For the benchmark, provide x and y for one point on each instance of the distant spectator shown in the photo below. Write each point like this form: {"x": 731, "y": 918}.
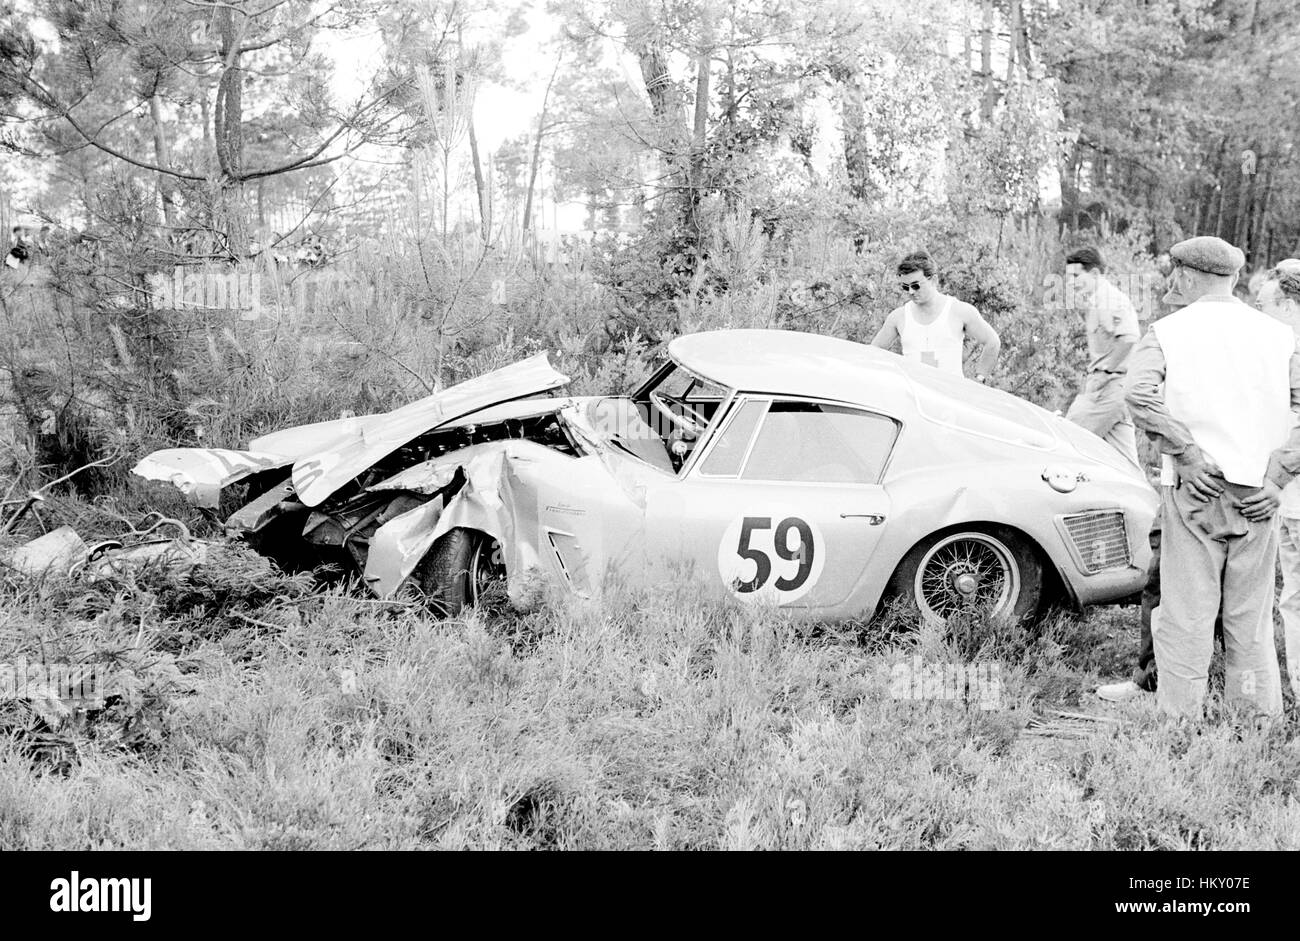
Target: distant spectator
{"x": 1268, "y": 289}
{"x": 311, "y": 253}
{"x": 20, "y": 251}
{"x": 1280, "y": 299}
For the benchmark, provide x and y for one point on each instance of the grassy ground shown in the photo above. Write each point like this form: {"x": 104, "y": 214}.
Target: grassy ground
{"x": 249, "y": 711}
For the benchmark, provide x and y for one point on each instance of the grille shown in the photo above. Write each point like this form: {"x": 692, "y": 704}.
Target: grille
{"x": 1100, "y": 540}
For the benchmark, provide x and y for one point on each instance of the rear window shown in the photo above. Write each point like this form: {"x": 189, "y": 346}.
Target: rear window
{"x": 817, "y": 443}
{"x": 951, "y": 401}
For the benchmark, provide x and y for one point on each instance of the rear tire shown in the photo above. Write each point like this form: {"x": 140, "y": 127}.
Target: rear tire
{"x": 459, "y": 570}
{"x": 966, "y": 568}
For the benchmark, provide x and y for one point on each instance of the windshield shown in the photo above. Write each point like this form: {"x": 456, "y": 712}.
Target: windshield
{"x": 677, "y": 409}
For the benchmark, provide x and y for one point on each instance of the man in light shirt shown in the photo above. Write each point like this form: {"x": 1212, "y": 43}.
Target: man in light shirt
{"x": 932, "y": 327}
{"x": 1216, "y": 384}
{"x": 1111, "y": 326}
{"x": 1280, "y": 298}
{"x": 1111, "y": 330}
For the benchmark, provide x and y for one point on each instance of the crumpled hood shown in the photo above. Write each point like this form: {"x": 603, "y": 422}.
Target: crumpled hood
{"x": 326, "y": 455}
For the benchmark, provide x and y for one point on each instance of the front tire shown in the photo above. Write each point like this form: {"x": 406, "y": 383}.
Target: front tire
{"x": 463, "y": 566}
{"x": 996, "y": 570}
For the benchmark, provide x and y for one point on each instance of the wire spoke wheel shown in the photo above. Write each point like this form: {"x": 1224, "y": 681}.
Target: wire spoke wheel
{"x": 964, "y": 571}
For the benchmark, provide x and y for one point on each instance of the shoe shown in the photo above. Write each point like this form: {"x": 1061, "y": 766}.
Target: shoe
{"x": 1120, "y": 692}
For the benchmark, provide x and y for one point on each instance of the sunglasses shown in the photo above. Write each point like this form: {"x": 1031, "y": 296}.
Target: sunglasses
{"x": 907, "y": 287}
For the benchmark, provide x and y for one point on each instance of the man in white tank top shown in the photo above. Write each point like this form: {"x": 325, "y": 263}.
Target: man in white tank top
{"x": 932, "y": 328}
{"x": 1215, "y": 384}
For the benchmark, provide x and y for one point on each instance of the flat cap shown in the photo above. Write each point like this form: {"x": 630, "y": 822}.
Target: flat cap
{"x": 1209, "y": 254}
{"x": 1288, "y": 266}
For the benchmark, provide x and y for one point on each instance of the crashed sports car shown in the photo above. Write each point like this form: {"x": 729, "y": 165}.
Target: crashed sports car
{"x": 781, "y": 467}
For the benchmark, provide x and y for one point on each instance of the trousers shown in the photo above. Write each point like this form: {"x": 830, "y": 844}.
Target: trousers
{"x": 1144, "y": 674}
{"x": 1289, "y": 602}
{"x": 1215, "y": 561}
{"x": 1100, "y": 408}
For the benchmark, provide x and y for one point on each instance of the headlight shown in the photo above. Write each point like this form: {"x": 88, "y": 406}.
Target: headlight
{"x": 1063, "y": 479}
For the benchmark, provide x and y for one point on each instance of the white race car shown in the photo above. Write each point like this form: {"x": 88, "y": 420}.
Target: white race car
{"x": 783, "y": 468}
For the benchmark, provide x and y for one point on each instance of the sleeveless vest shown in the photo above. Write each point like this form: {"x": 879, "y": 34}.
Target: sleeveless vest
{"x": 937, "y": 344}
{"x": 1228, "y": 379}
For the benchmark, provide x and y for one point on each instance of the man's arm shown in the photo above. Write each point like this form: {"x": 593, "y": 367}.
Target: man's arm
{"x": 1114, "y": 360}
{"x": 978, "y": 329}
{"x": 1121, "y": 322}
{"x": 1144, "y": 393}
{"x": 1283, "y": 464}
{"x": 887, "y": 335}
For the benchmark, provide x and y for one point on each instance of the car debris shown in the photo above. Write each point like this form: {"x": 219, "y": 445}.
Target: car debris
{"x": 64, "y": 552}
{"x": 56, "y": 551}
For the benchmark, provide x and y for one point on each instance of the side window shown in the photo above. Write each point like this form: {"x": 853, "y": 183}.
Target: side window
{"x": 811, "y": 442}
{"x": 733, "y": 441}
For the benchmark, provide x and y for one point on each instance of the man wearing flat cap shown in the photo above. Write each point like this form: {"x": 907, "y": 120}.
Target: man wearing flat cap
{"x": 1215, "y": 384}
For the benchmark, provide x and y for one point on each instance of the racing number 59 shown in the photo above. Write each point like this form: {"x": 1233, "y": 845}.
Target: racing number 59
{"x": 802, "y": 551}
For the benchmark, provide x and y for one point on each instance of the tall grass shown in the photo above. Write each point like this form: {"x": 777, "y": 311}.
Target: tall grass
{"x": 655, "y": 720}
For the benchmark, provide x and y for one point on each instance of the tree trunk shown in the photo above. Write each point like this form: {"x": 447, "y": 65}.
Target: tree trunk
{"x": 699, "y": 132}
{"x": 480, "y": 188}
{"x": 1258, "y": 256}
{"x": 1070, "y": 197}
{"x": 1245, "y": 194}
{"x": 1223, "y": 190}
{"x": 990, "y": 98}
{"x": 1011, "y": 41}
{"x": 967, "y": 46}
{"x": 857, "y": 159}
{"x": 162, "y": 156}
{"x": 537, "y": 149}
{"x": 1024, "y": 46}
{"x": 228, "y": 120}
{"x": 669, "y": 112}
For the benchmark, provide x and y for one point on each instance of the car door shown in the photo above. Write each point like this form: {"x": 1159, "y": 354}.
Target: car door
{"x": 784, "y": 505}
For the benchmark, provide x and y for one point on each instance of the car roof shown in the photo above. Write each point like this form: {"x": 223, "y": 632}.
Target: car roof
{"x": 808, "y": 365}
{"x": 789, "y": 362}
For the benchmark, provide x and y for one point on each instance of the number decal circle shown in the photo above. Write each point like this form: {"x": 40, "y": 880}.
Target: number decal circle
{"x": 771, "y": 555}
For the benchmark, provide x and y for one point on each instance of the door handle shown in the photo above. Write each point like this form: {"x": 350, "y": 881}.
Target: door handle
{"x": 875, "y": 519}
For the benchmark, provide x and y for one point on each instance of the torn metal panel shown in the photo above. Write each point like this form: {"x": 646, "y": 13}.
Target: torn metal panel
{"x": 427, "y": 477}
{"x": 302, "y": 441}
{"x": 201, "y": 473}
{"x": 398, "y": 546}
{"x": 318, "y": 476}
{"x": 258, "y": 513}
{"x": 552, "y": 514}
